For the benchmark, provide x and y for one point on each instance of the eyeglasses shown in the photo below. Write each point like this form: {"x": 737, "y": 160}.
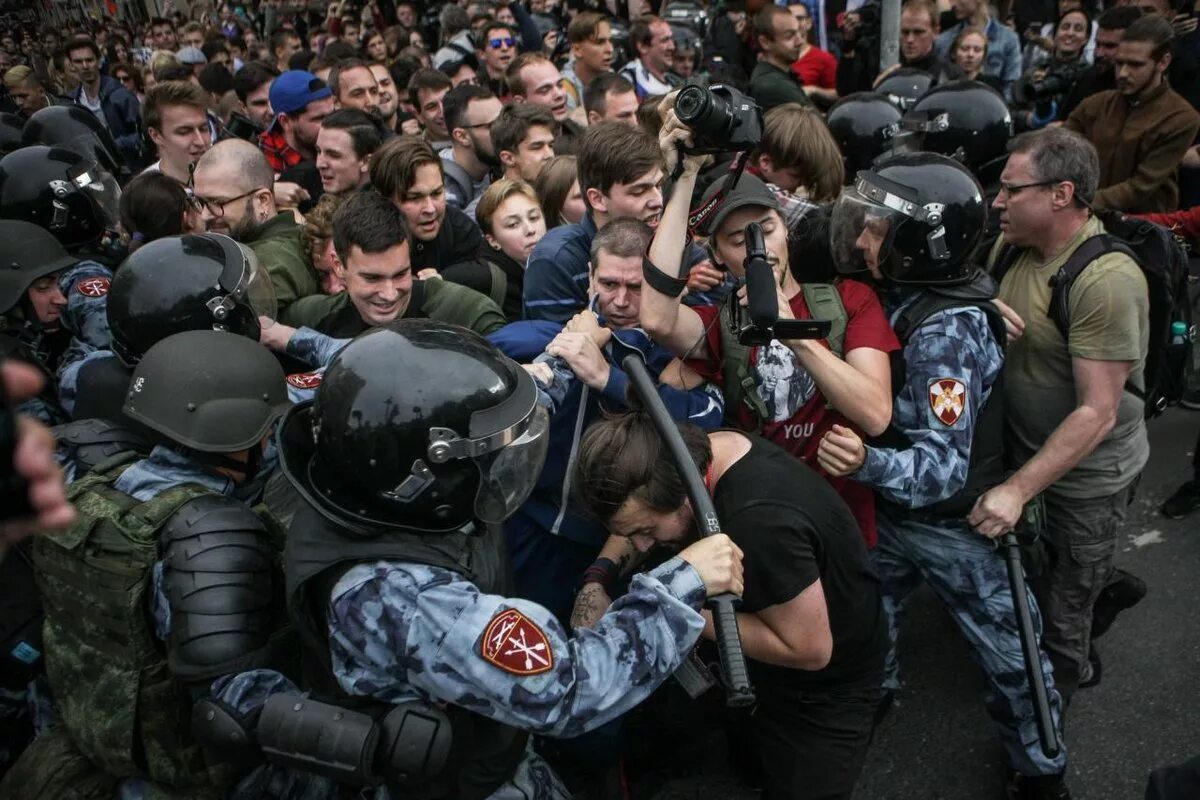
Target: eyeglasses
{"x": 507, "y": 41}
{"x": 216, "y": 208}
{"x": 479, "y": 125}
{"x": 1013, "y": 190}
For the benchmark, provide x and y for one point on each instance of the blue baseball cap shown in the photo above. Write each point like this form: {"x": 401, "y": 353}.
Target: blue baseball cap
{"x": 295, "y": 89}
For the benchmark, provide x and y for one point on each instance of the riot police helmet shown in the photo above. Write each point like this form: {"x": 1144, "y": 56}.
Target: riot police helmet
{"x": 75, "y": 199}
{"x": 209, "y": 391}
{"x": 863, "y": 124}
{"x": 924, "y": 212}
{"x": 182, "y": 283}
{"x": 417, "y": 426}
{"x": 76, "y": 129}
{"x": 27, "y": 253}
{"x": 905, "y": 86}
{"x": 967, "y": 120}
{"x": 11, "y": 128}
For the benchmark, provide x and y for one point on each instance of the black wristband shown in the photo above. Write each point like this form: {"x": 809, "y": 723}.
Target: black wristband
{"x": 602, "y": 571}
{"x": 660, "y": 281}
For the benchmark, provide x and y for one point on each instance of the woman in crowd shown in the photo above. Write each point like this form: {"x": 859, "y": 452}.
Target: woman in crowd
{"x": 968, "y": 54}
{"x": 375, "y": 48}
{"x": 558, "y": 187}
{"x": 1032, "y": 109}
{"x": 512, "y": 223}
{"x": 154, "y": 206}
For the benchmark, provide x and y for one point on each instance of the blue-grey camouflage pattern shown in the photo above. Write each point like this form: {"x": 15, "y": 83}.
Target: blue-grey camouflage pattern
{"x": 85, "y": 315}
{"x": 78, "y": 355}
{"x": 401, "y": 632}
{"x": 953, "y": 344}
{"x": 968, "y": 575}
{"x": 317, "y": 350}
{"x": 963, "y": 568}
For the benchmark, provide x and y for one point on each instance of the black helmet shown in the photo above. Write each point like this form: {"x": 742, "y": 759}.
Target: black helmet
{"x": 420, "y": 426}
{"x": 186, "y": 283}
{"x": 863, "y": 125}
{"x": 904, "y": 86}
{"x": 210, "y": 391}
{"x": 968, "y": 120}
{"x": 11, "y": 127}
{"x": 925, "y": 211}
{"x": 27, "y": 253}
{"x": 61, "y": 191}
{"x": 76, "y": 129}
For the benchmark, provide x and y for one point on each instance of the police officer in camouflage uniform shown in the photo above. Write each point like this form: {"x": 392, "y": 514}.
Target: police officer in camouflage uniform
{"x": 913, "y": 221}
{"x": 422, "y": 439}
{"x": 162, "y": 591}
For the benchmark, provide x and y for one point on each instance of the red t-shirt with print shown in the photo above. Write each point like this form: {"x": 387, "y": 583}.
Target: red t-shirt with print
{"x": 799, "y": 416}
{"x": 816, "y": 68}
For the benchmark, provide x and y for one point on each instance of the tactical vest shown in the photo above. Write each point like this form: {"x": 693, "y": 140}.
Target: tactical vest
{"x": 485, "y": 753}
{"x": 986, "y": 467}
{"x": 738, "y": 385}
{"x": 115, "y": 694}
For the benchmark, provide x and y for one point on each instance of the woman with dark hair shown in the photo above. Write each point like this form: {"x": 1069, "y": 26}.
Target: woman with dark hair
{"x": 130, "y": 77}
{"x": 154, "y": 206}
{"x": 557, "y": 188}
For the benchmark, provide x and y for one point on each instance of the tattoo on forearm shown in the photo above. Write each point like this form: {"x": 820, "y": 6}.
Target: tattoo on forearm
{"x": 590, "y": 605}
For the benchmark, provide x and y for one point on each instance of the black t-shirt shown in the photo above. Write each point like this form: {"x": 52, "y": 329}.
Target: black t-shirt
{"x": 793, "y": 528}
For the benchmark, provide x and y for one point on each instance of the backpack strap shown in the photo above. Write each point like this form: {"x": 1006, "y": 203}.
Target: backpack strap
{"x": 499, "y": 284}
{"x": 459, "y": 177}
{"x": 738, "y": 384}
{"x": 1060, "y": 301}
{"x": 1004, "y": 261}
{"x": 824, "y": 302}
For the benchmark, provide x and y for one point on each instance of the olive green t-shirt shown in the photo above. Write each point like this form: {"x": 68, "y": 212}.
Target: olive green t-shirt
{"x": 1109, "y": 312}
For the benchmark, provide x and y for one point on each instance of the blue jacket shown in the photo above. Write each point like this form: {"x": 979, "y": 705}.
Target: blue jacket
{"x": 525, "y": 341}
{"x": 123, "y": 116}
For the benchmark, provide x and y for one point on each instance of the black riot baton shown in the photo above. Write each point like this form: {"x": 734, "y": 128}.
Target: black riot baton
{"x": 739, "y": 692}
{"x": 1029, "y": 645}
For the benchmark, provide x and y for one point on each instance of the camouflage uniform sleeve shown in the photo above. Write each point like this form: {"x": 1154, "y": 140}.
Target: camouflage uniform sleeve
{"x": 399, "y": 628}
{"x": 951, "y": 362}
{"x": 313, "y": 348}
{"x": 85, "y": 286}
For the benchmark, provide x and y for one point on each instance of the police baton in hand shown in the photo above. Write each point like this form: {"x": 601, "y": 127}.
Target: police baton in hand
{"x": 739, "y": 692}
{"x": 1029, "y": 645}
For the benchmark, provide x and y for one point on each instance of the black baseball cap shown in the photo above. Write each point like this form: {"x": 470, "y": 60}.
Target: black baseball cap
{"x": 750, "y": 191}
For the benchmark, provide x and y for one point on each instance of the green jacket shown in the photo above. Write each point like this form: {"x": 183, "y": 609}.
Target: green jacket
{"x": 441, "y": 300}
{"x": 277, "y": 245}
{"x": 771, "y": 86}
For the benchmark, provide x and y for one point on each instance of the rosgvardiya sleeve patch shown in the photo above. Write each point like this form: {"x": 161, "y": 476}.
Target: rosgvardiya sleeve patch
{"x": 947, "y": 399}
{"x": 514, "y": 643}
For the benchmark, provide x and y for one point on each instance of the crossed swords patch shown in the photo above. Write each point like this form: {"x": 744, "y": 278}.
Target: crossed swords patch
{"x": 947, "y": 398}
{"x": 515, "y": 644}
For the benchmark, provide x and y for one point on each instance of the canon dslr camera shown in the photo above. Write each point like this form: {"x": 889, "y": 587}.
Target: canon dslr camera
{"x": 722, "y": 119}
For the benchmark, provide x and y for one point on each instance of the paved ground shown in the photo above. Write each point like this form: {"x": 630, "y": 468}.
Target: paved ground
{"x": 938, "y": 743}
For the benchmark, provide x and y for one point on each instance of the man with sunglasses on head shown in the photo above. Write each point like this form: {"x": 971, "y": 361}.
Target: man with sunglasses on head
{"x": 233, "y": 189}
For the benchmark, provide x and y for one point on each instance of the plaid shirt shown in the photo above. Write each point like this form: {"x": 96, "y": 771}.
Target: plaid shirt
{"x": 280, "y": 155}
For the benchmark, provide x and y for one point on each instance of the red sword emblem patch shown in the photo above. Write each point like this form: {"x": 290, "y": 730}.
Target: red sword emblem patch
{"x": 93, "y": 287}
{"x": 515, "y": 644}
{"x": 305, "y": 380}
{"x": 947, "y": 398}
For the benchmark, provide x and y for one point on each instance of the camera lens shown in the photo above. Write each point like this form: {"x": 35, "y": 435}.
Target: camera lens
{"x": 691, "y": 105}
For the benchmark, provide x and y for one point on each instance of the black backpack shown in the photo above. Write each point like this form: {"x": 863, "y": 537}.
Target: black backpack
{"x": 1163, "y": 262}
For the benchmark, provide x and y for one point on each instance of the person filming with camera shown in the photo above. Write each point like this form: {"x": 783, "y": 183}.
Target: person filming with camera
{"x": 790, "y": 391}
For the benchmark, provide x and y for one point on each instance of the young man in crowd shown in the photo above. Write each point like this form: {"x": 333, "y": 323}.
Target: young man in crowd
{"x": 112, "y": 104}
{"x": 426, "y": 89}
{"x": 523, "y": 136}
{"x": 650, "y": 73}
{"x": 284, "y": 44}
{"x": 389, "y": 101}
{"x": 773, "y": 83}
{"x": 252, "y": 84}
{"x": 176, "y": 115}
{"x": 354, "y": 86}
{"x": 533, "y": 79}
{"x": 590, "y": 37}
{"x": 347, "y": 139}
{"x": 300, "y": 101}
{"x": 496, "y": 50}
{"x": 610, "y": 98}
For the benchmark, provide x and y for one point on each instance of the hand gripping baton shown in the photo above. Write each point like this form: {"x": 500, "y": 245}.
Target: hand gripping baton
{"x": 739, "y": 692}
{"x": 1029, "y": 645}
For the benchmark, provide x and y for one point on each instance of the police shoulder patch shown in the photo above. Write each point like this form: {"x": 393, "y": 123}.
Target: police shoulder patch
{"x": 93, "y": 287}
{"x": 947, "y": 399}
{"x": 305, "y": 380}
{"x": 514, "y": 643}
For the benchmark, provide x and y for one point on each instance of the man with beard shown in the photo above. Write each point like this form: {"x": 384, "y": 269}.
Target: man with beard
{"x": 773, "y": 83}
{"x": 177, "y": 123}
{"x": 234, "y": 188}
{"x": 469, "y": 112}
{"x": 300, "y": 101}
{"x": 1141, "y": 129}
{"x": 1101, "y": 76}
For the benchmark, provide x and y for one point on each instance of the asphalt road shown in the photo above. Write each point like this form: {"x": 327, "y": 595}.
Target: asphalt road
{"x": 939, "y": 744}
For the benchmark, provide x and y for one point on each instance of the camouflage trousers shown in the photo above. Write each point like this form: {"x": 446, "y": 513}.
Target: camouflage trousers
{"x": 967, "y": 574}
